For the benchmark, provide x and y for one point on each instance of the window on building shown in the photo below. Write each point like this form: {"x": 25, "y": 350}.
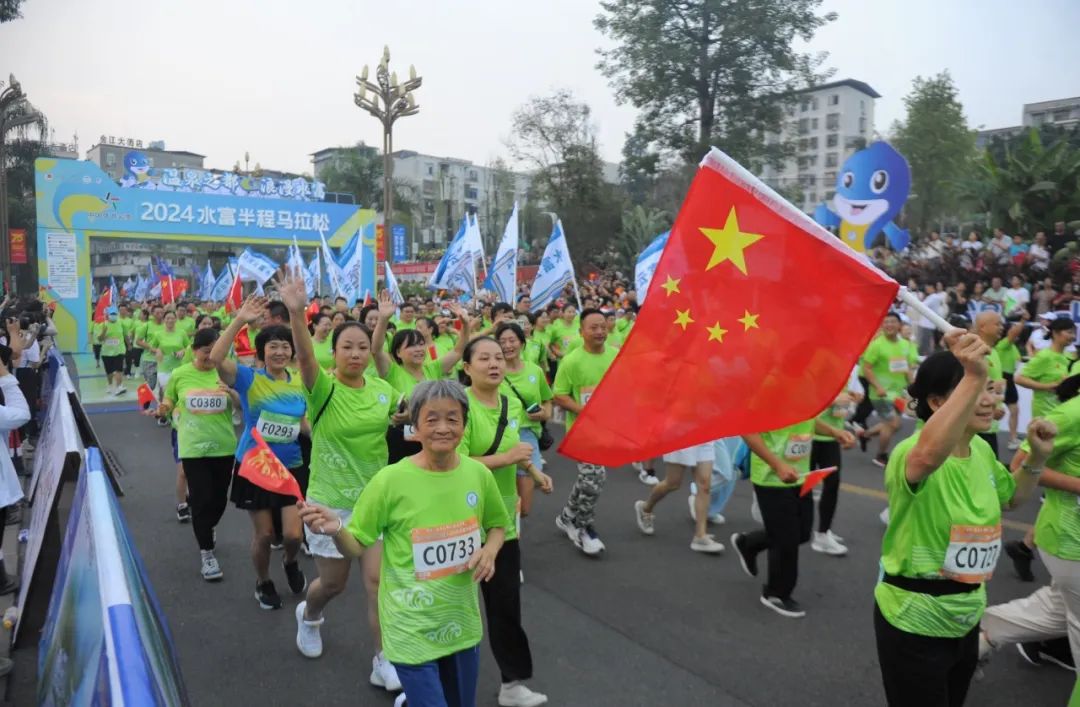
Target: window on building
{"x": 830, "y": 159}
{"x": 814, "y": 103}
{"x": 803, "y": 162}
{"x": 829, "y": 195}
{"x": 814, "y": 124}
{"x": 832, "y": 121}
{"x": 472, "y": 175}
{"x": 811, "y": 197}
{"x": 831, "y": 140}
{"x": 813, "y": 143}
{"x": 802, "y": 144}
{"x": 834, "y": 99}
{"x": 110, "y": 159}
{"x": 430, "y": 169}
{"x": 805, "y": 106}
{"x": 862, "y": 107}
{"x": 1060, "y": 115}
{"x": 830, "y": 177}
{"x": 803, "y": 123}
{"x": 471, "y": 193}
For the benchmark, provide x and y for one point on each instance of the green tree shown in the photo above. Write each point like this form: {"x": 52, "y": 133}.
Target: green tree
{"x": 358, "y": 172}
{"x": 935, "y": 139}
{"x": 9, "y": 10}
{"x": 499, "y": 204}
{"x": 708, "y": 72}
{"x": 639, "y": 227}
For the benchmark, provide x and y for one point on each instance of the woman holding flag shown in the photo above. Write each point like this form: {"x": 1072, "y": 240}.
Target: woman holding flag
{"x": 273, "y": 402}
{"x": 348, "y": 445}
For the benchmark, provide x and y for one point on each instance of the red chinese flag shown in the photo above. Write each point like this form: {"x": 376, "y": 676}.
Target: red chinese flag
{"x": 145, "y": 395}
{"x": 103, "y": 303}
{"x": 235, "y": 297}
{"x": 755, "y": 318}
{"x": 261, "y": 467}
{"x": 312, "y": 310}
{"x": 172, "y": 289}
{"x": 814, "y": 478}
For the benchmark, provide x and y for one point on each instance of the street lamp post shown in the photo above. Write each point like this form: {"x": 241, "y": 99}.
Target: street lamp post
{"x": 388, "y": 101}
{"x": 15, "y": 113}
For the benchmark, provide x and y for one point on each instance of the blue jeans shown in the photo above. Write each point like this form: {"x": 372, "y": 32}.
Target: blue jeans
{"x": 449, "y": 681}
{"x": 530, "y": 438}
{"x": 723, "y": 475}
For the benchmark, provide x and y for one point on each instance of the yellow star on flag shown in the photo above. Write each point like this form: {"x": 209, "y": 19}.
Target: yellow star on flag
{"x": 716, "y": 333}
{"x": 682, "y": 318}
{"x": 672, "y": 285}
{"x": 730, "y": 243}
{"x": 749, "y": 321}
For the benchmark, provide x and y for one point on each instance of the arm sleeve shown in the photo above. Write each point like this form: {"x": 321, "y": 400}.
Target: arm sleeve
{"x": 494, "y": 510}
{"x": 245, "y": 376}
{"x": 170, "y": 389}
{"x": 545, "y": 389}
{"x": 563, "y": 384}
{"x": 1004, "y": 482}
{"x": 14, "y": 413}
{"x": 369, "y": 517}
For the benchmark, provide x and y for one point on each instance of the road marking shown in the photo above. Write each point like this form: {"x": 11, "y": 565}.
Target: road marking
{"x": 882, "y": 496}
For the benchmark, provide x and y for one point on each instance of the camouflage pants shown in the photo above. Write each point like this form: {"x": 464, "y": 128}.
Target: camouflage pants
{"x": 149, "y": 370}
{"x": 581, "y": 506}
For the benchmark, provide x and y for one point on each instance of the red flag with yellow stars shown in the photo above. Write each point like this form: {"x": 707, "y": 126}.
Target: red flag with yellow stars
{"x": 261, "y": 467}
{"x": 754, "y": 319}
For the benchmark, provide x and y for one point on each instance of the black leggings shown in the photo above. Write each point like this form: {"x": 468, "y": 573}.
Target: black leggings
{"x": 865, "y": 407}
{"x": 924, "y": 671}
{"x": 823, "y": 454}
{"x": 502, "y": 605}
{"x": 133, "y": 360}
{"x": 789, "y": 519}
{"x": 208, "y": 494}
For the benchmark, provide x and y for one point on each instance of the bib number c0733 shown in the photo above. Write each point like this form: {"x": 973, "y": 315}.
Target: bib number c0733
{"x": 973, "y": 553}
{"x": 278, "y": 429}
{"x": 444, "y": 550}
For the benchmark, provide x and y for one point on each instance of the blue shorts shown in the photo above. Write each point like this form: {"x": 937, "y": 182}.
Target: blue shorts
{"x": 449, "y": 681}
{"x": 531, "y": 439}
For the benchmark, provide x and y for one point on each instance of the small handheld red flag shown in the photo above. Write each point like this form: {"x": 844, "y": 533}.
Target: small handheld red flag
{"x": 146, "y": 396}
{"x": 312, "y": 310}
{"x": 814, "y": 478}
{"x": 261, "y": 467}
{"x": 754, "y": 319}
{"x": 235, "y": 297}
{"x": 104, "y": 302}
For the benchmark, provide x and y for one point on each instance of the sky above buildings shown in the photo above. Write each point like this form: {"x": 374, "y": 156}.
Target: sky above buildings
{"x": 276, "y": 78}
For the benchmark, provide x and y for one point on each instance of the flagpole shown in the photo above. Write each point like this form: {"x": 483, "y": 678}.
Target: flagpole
{"x": 908, "y": 297}
{"x": 318, "y": 280}
{"x": 573, "y": 271}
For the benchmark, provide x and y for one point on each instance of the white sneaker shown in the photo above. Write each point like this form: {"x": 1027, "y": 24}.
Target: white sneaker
{"x": 571, "y": 531}
{"x": 308, "y": 637}
{"x": 834, "y": 536}
{"x": 707, "y": 544}
{"x": 211, "y": 570}
{"x": 644, "y": 520}
{"x": 637, "y": 466}
{"x": 383, "y": 673}
{"x": 1014, "y": 445}
{"x": 589, "y": 541}
{"x": 717, "y": 519}
{"x": 693, "y": 511}
{"x": 825, "y": 544}
{"x": 647, "y": 478}
{"x": 401, "y": 701}
{"x": 755, "y": 512}
{"x": 121, "y": 390}
{"x": 885, "y": 517}
{"x": 515, "y": 694}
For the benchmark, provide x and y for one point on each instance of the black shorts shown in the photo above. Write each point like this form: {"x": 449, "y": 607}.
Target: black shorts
{"x": 248, "y": 497}
{"x": 1011, "y": 394}
{"x": 113, "y": 364}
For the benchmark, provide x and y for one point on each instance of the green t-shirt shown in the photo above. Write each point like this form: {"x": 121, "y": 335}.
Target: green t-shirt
{"x": 890, "y": 361}
{"x": 835, "y": 415}
{"x": 170, "y": 342}
{"x": 324, "y": 354}
{"x": 348, "y": 443}
{"x": 962, "y": 495}
{"x": 139, "y": 332}
{"x": 792, "y": 444}
{"x": 579, "y": 374}
{"x": 531, "y": 385}
{"x": 402, "y": 326}
{"x": 535, "y": 351}
{"x": 444, "y": 344}
{"x": 480, "y": 431}
{"x": 403, "y": 381}
{"x": 186, "y": 325}
{"x": 129, "y": 326}
{"x": 1047, "y": 366}
{"x": 1057, "y": 529}
{"x": 1009, "y": 355}
{"x": 431, "y": 522}
{"x": 113, "y": 345}
{"x": 152, "y": 328}
{"x": 202, "y": 414}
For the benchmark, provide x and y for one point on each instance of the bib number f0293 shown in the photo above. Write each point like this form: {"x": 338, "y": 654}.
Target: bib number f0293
{"x": 973, "y": 553}
{"x": 444, "y": 550}
{"x": 278, "y": 429}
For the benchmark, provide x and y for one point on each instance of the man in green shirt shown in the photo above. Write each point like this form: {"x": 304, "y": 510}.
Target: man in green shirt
{"x": 889, "y": 366}
{"x": 110, "y": 336}
{"x": 1048, "y": 367}
{"x": 128, "y": 322}
{"x": 578, "y": 375}
{"x": 184, "y": 322}
{"x": 1009, "y": 355}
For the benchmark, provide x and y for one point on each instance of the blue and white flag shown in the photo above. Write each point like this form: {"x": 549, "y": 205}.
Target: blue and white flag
{"x": 295, "y": 265}
{"x": 440, "y": 279}
{"x": 474, "y": 243}
{"x": 392, "y": 286}
{"x": 142, "y": 287}
{"x": 206, "y": 283}
{"x": 350, "y": 266}
{"x": 333, "y": 272}
{"x": 502, "y": 276}
{"x": 128, "y": 287}
{"x": 220, "y": 289}
{"x": 313, "y": 276}
{"x": 555, "y": 271}
{"x": 646, "y": 265}
{"x": 256, "y": 267}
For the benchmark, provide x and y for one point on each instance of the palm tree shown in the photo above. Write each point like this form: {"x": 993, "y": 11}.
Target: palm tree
{"x": 639, "y": 227}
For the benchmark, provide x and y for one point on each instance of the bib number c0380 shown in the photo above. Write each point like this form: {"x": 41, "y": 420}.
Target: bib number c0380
{"x": 206, "y": 402}
{"x": 278, "y": 429}
{"x": 973, "y": 553}
{"x": 444, "y": 550}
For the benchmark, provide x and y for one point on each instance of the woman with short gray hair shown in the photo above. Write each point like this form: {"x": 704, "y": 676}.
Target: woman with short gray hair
{"x": 441, "y": 518}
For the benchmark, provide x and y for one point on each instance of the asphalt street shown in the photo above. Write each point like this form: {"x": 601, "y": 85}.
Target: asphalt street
{"x": 649, "y": 623}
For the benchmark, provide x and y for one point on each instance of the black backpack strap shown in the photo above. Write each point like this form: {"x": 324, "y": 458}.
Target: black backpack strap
{"x": 501, "y": 428}
{"x": 523, "y": 403}
{"x": 315, "y": 421}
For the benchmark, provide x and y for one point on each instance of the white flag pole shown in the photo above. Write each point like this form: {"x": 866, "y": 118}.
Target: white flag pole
{"x": 909, "y": 298}
{"x": 573, "y": 270}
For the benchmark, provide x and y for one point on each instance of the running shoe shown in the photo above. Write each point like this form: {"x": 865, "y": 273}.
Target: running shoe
{"x": 714, "y": 518}
{"x": 1013, "y": 445}
{"x": 644, "y": 520}
{"x": 648, "y": 477}
{"x": 295, "y": 576}
{"x": 881, "y": 460}
{"x": 707, "y": 544}
{"x": 308, "y": 636}
{"x": 516, "y": 694}
{"x": 571, "y": 531}
{"x": 590, "y": 541}
{"x": 1055, "y": 651}
{"x": 785, "y": 607}
{"x": 748, "y": 561}
{"x": 278, "y": 543}
{"x": 183, "y": 512}
{"x": 637, "y": 466}
{"x": 162, "y": 422}
{"x": 120, "y": 391}
{"x": 383, "y": 673}
{"x": 401, "y": 701}
{"x": 834, "y": 536}
{"x": 211, "y": 570}
{"x": 267, "y": 595}
{"x": 827, "y": 545}
{"x": 1022, "y": 557}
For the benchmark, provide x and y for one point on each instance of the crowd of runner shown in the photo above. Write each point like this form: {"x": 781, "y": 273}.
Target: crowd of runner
{"x": 418, "y": 434}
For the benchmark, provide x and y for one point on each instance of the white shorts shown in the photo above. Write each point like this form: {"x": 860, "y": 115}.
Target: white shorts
{"x": 323, "y": 545}
{"x": 692, "y": 456}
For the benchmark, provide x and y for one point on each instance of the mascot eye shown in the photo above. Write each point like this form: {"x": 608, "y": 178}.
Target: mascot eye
{"x": 847, "y": 180}
{"x": 878, "y": 181}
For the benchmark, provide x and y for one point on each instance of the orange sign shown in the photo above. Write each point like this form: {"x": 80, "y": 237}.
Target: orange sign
{"x": 380, "y": 243}
{"x": 17, "y": 237}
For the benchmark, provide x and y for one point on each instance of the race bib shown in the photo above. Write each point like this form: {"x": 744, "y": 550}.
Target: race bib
{"x": 206, "y": 402}
{"x": 973, "y": 553}
{"x": 276, "y": 428}
{"x": 112, "y": 342}
{"x": 445, "y": 549}
{"x": 898, "y": 365}
{"x": 797, "y": 447}
{"x": 586, "y": 393}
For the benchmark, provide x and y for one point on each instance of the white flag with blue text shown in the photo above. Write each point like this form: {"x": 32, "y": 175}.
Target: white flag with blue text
{"x": 256, "y": 267}
{"x": 440, "y": 279}
{"x": 206, "y": 283}
{"x": 646, "y": 265}
{"x": 220, "y": 289}
{"x": 313, "y": 276}
{"x": 555, "y": 272}
{"x": 350, "y": 263}
{"x": 392, "y": 286}
{"x": 502, "y": 276}
{"x": 333, "y": 272}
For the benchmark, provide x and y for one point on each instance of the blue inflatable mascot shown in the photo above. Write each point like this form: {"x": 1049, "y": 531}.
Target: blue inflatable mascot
{"x": 871, "y": 189}
{"x": 136, "y": 170}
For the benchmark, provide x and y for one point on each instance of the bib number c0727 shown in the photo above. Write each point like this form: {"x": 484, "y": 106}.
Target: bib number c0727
{"x": 444, "y": 550}
{"x": 797, "y": 447}
{"x": 278, "y": 429}
{"x": 973, "y": 553}
{"x": 206, "y": 402}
